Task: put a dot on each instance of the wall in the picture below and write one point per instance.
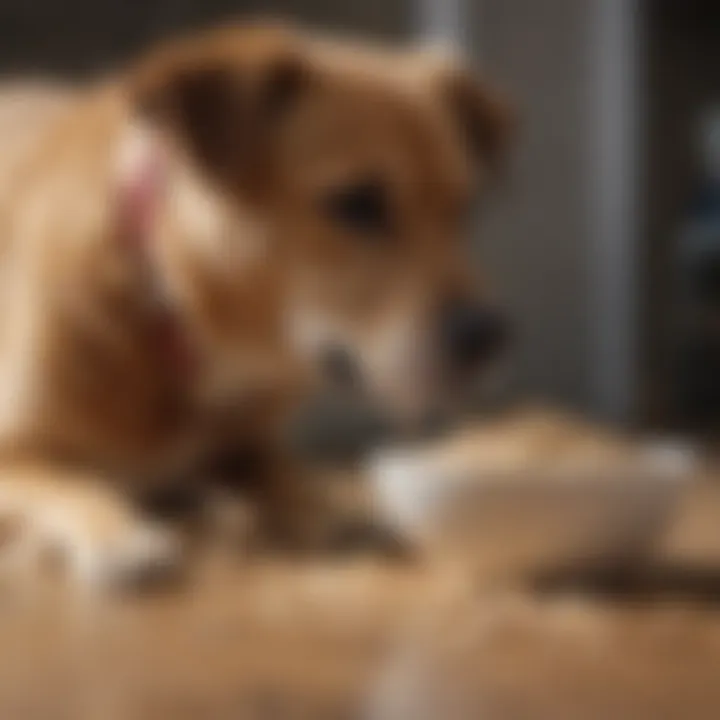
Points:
(537, 241)
(83, 35)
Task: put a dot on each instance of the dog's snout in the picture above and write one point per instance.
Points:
(339, 367)
(472, 334)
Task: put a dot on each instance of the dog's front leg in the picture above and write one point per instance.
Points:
(99, 537)
(284, 494)
(301, 508)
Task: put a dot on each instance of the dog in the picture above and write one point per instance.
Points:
(194, 242)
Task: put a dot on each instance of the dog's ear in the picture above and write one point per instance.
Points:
(486, 120)
(223, 105)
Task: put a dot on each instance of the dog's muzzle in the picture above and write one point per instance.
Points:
(340, 368)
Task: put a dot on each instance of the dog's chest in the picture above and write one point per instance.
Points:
(192, 442)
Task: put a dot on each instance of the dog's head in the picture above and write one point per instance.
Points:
(362, 164)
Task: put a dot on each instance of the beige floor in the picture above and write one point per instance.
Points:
(317, 639)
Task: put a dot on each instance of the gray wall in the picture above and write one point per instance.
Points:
(83, 35)
(537, 240)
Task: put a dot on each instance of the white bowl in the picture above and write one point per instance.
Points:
(510, 521)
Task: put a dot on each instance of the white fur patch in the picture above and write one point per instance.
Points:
(138, 144)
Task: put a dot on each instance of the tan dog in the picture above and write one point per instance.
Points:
(192, 241)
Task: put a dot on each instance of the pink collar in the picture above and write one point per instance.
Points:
(142, 189)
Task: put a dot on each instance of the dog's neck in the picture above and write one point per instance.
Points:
(207, 267)
(141, 191)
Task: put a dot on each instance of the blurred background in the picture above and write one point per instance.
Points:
(605, 241)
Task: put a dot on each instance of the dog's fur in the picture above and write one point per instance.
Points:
(255, 127)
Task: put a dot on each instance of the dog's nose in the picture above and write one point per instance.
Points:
(472, 333)
(339, 367)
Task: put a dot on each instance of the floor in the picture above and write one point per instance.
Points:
(369, 638)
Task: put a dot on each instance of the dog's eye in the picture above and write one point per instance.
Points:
(362, 207)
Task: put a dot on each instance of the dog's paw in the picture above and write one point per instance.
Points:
(141, 555)
(82, 532)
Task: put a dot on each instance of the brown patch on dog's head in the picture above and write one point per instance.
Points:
(220, 95)
(361, 163)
